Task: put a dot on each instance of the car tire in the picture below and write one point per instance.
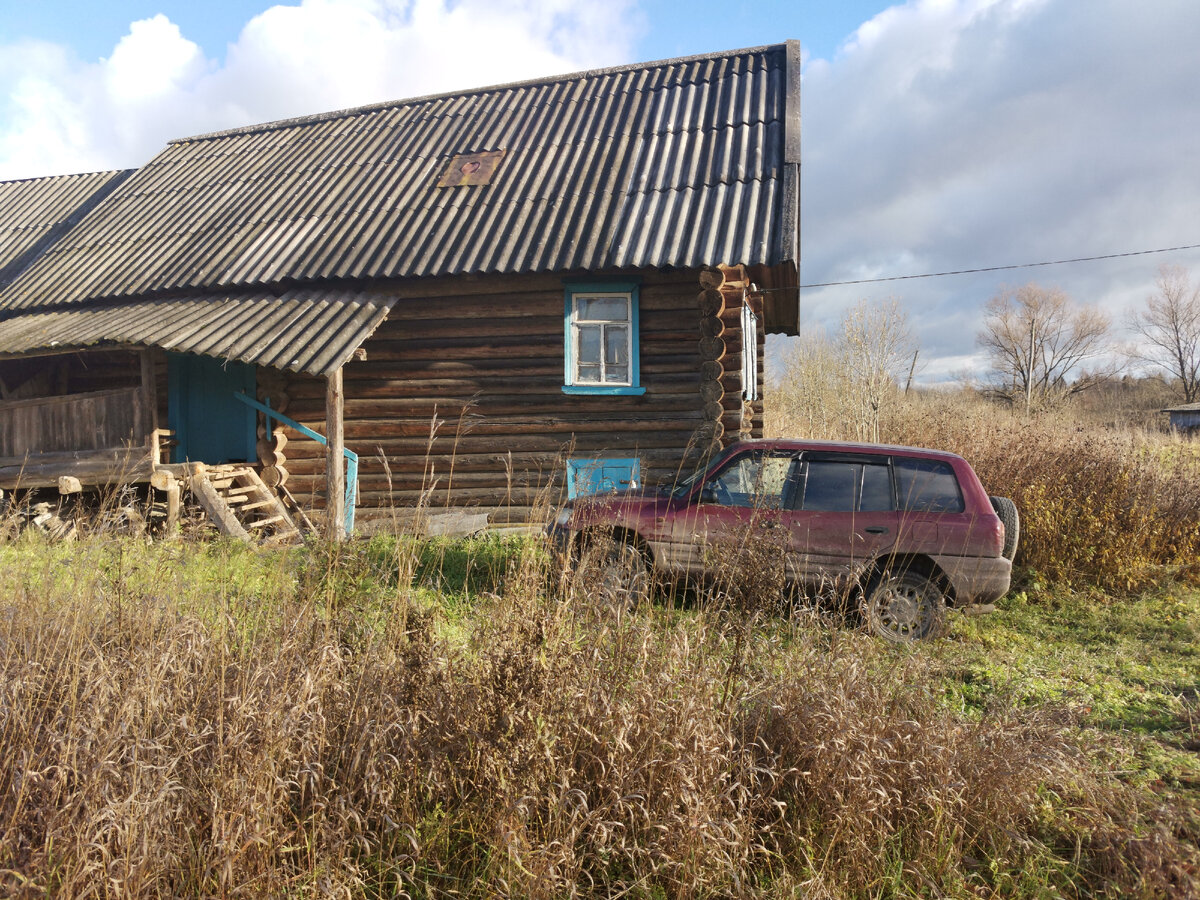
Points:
(615, 575)
(1007, 511)
(903, 607)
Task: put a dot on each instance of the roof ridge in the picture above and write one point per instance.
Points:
(279, 124)
(98, 172)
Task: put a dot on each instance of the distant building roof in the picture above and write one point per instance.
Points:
(1186, 408)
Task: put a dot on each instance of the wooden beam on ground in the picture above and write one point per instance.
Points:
(218, 510)
(335, 472)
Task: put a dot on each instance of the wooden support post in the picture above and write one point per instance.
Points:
(150, 406)
(164, 481)
(335, 471)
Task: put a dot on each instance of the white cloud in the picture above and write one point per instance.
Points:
(952, 134)
(61, 114)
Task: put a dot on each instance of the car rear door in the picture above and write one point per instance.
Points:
(843, 515)
(932, 516)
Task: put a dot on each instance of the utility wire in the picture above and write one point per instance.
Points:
(1056, 262)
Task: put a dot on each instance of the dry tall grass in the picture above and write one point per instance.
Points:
(1112, 508)
(201, 721)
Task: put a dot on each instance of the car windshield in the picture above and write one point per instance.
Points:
(686, 483)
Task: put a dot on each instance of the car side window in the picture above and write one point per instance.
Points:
(927, 485)
(836, 486)
(876, 494)
(753, 480)
(830, 486)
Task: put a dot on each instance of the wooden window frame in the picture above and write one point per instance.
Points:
(627, 291)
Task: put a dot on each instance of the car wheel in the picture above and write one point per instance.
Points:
(613, 574)
(904, 607)
(1007, 512)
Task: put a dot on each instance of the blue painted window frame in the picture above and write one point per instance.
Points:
(593, 473)
(599, 289)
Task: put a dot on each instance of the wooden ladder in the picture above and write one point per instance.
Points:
(241, 505)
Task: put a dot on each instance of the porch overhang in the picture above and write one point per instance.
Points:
(314, 332)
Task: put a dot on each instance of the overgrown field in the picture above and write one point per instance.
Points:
(451, 719)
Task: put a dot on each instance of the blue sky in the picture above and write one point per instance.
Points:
(938, 135)
(92, 28)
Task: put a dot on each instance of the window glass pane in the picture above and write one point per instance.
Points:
(751, 481)
(587, 352)
(616, 374)
(876, 489)
(616, 345)
(927, 485)
(605, 309)
(588, 374)
(830, 486)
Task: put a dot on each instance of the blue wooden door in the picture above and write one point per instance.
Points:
(210, 424)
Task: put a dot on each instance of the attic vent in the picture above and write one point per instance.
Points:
(472, 168)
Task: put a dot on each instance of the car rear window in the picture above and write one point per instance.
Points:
(927, 485)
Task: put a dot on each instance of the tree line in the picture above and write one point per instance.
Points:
(1042, 348)
(1038, 341)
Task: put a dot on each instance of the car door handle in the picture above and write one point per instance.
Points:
(875, 529)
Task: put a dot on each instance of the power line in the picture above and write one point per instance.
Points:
(1056, 262)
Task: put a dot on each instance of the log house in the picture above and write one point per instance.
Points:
(493, 297)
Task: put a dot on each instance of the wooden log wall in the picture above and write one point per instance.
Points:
(459, 401)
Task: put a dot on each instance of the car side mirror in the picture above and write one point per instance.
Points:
(708, 495)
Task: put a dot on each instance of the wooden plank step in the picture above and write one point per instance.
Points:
(263, 522)
(257, 504)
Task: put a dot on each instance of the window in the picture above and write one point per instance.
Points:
(927, 485)
(601, 334)
(847, 487)
(753, 480)
(601, 476)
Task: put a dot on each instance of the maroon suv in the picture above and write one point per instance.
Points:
(909, 532)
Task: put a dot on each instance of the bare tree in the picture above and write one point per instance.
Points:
(1037, 338)
(877, 350)
(1170, 326)
(840, 388)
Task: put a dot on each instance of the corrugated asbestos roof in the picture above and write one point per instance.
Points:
(679, 163)
(34, 211)
(311, 331)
